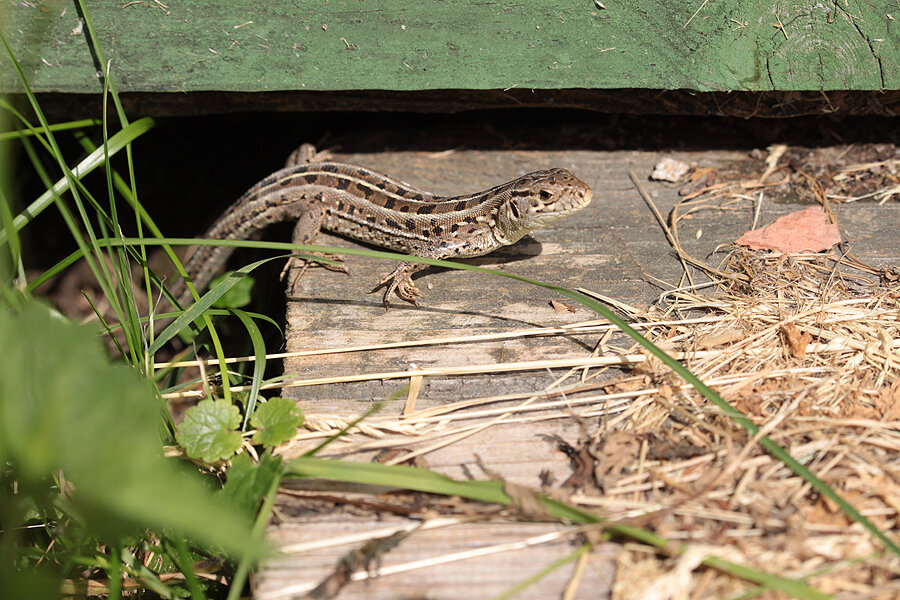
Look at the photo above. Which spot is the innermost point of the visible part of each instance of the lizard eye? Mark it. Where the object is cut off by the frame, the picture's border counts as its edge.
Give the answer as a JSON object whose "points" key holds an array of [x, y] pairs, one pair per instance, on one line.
{"points": [[545, 195]]}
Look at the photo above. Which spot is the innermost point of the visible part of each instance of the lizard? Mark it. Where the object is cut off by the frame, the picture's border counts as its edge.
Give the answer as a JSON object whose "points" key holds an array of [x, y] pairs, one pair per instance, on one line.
{"points": [[367, 206]]}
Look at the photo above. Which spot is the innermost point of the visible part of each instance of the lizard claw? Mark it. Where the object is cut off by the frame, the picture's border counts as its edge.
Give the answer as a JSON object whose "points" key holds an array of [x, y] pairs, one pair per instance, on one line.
{"points": [[401, 282], [303, 264], [289, 264]]}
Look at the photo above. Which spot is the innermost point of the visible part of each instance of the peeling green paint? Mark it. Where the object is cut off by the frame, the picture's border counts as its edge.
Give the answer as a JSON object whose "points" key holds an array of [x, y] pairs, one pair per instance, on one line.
{"points": [[247, 45]]}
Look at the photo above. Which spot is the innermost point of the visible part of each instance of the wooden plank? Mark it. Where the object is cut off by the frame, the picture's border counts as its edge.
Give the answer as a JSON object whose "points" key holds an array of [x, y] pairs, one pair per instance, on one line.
{"points": [[250, 46], [460, 579], [614, 247]]}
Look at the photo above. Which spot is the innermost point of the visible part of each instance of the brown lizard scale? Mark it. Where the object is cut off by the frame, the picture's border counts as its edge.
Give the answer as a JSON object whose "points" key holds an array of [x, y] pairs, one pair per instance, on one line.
{"points": [[367, 206]]}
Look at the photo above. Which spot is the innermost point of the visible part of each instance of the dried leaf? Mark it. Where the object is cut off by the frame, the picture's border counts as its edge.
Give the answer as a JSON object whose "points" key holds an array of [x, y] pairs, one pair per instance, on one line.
{"points": [[561, 307], [702, 178], [802, 231], [888, 402], [616, 455], [582, 465], [796, 340]]}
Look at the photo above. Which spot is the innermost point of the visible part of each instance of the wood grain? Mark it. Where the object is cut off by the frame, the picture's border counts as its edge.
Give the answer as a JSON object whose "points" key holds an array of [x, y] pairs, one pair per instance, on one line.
{"points": [[249, 46]]}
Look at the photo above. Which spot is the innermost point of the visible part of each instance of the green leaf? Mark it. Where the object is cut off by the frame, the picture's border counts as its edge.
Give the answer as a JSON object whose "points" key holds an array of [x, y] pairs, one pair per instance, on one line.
{"points": [[248, 483], [396, 476], [237, 295], [276, 421], [209, 430], [65, 408]]}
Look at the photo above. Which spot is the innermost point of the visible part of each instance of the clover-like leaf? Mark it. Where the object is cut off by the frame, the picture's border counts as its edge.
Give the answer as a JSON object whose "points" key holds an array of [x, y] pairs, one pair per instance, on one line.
{"points": [[209, 430], [276, 421]]}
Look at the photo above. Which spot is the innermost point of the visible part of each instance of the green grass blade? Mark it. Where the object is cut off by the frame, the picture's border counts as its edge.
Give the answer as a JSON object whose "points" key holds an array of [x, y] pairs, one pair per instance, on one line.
{"points": [[103, 323], [259, 317], [259, 364], [514, 590], [397, 476], [18, 134], [205, 302], [116, 143], [412, 478], [256, 540], [180, 555], [797, 589], [117, 255], [14, 251], [101, 64], [114, 572]]}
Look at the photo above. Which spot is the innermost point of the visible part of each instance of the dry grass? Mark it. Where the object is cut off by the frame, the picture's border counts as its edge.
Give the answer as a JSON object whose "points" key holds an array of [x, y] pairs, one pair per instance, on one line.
{"points": [[811, 345], [812, 353]]}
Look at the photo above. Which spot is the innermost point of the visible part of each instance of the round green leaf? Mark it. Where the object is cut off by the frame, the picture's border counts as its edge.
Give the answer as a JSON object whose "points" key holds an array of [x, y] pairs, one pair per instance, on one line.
{"points": [[209, 430], [276, 421]]}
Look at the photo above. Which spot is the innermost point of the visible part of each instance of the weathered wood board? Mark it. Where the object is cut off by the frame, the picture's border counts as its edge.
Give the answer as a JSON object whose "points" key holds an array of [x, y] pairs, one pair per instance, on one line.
{"points": [[250, 46], [614, 247], [459, 579]]}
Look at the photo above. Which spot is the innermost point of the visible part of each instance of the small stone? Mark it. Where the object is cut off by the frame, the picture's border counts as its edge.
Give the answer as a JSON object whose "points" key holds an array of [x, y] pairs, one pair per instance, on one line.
{"points": [[669, 169]]}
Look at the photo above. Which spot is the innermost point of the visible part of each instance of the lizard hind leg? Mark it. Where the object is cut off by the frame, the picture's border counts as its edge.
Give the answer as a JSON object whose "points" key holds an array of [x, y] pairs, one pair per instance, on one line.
{"points": [[306, 154]]}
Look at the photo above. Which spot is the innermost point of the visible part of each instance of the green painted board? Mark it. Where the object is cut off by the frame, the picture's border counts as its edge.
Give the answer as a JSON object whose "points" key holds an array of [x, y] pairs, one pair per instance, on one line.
{"points": [[331, 45]]}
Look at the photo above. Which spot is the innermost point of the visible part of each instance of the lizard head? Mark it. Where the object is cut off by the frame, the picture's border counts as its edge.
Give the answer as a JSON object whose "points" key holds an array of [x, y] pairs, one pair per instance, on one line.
{"points": [[539, 199]]}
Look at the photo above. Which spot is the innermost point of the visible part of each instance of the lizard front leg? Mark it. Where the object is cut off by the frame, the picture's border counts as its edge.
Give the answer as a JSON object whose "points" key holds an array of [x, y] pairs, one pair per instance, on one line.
{"points": [[400, 280]]}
